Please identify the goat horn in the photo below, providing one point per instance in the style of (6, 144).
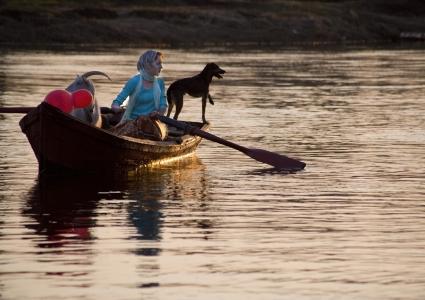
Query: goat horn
(90, 73)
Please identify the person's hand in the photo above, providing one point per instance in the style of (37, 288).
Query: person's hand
(116, 108)
(154, 114)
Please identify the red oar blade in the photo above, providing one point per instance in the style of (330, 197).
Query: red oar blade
(276, 160)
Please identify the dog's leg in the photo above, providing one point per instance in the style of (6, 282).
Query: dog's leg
(170, 100)
(179, 106)
(210, 98)
(170, 108)
(204, 104)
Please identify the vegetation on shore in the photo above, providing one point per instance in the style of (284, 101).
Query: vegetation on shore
(208, 22)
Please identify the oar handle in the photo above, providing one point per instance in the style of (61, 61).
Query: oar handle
(27, 109)
(199, 132)
(214, 138)
(16, 110)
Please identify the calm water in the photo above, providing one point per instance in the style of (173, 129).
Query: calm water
(219, 225)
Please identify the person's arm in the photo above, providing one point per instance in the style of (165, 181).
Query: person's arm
(163, 104)
(125, 92)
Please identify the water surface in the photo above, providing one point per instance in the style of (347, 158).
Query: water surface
(219, 225)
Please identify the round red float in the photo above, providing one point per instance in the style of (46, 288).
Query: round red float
(82, 98)
(61, 99)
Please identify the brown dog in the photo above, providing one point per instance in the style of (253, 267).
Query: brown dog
(196, 86)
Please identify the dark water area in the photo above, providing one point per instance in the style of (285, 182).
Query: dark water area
(218, 224)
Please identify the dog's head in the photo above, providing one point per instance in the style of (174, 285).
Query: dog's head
(213, 69)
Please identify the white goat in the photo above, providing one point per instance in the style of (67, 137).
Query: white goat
(90, 114)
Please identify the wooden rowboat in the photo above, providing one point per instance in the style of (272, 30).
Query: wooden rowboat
(62, 142)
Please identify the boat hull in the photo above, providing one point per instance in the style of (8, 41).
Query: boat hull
(61, 142)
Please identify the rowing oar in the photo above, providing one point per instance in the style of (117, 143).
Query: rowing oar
(274, 159)
(16, 110)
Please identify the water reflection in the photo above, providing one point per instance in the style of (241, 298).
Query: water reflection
(77, 222)
(144, 211)
(271, 171)
(181, 184)
(63, 208)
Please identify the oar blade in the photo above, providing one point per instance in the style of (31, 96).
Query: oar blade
(276, 160)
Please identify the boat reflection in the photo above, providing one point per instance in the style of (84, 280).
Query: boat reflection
(64, 208)
(89, 223)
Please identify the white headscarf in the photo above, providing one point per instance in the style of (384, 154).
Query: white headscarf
(146, 58)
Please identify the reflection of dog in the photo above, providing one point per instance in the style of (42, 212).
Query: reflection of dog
(196, 86)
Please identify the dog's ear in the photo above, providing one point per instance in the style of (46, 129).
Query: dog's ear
(207, 67)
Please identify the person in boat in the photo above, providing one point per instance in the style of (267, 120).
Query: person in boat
(146, 93)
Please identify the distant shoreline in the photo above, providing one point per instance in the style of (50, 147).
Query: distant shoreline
(214, 23)
(407, 44)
